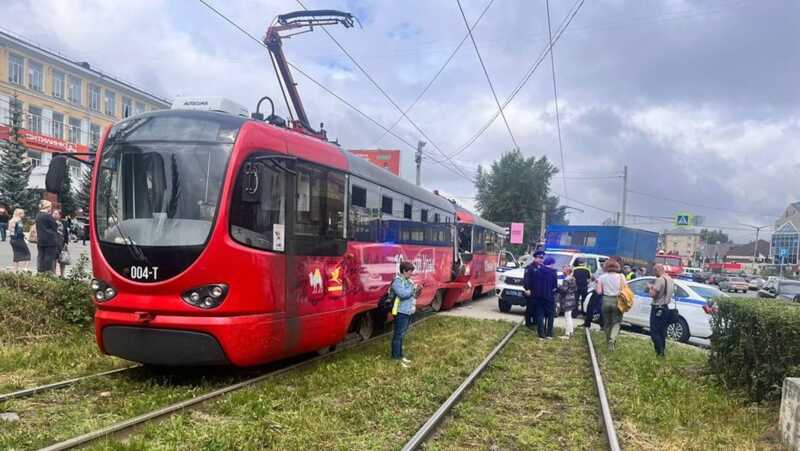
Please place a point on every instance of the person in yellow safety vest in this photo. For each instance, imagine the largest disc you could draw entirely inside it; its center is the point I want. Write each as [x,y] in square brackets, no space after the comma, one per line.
[628,272]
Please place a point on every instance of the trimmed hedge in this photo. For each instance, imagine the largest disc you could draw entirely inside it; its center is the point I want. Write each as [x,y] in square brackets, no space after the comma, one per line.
[35,304]
[755,345]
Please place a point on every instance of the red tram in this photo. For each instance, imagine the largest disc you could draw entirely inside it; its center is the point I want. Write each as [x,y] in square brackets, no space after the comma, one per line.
[219,239]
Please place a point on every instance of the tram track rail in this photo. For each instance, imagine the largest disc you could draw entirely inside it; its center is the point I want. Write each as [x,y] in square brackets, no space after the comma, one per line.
[430,426]
[62,384]
[126,426]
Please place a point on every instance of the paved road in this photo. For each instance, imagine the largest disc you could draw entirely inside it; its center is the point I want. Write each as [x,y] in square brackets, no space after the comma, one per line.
[75,249]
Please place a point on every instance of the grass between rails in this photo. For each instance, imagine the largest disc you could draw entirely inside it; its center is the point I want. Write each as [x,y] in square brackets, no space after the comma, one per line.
[676,404]
[359,399]
[537,394]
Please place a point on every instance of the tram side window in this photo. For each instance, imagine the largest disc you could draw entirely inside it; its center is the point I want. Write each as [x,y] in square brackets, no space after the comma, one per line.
[478,240]
[464,238]
[359,197]
[258,208]
[386,205]
[320,202]
[407,211]
[364,215]
[424,215]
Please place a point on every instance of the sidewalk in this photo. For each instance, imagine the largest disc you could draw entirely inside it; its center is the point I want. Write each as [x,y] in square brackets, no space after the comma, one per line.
[6,255]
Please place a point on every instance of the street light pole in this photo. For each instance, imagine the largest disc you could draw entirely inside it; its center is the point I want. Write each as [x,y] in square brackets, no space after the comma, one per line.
[755,243]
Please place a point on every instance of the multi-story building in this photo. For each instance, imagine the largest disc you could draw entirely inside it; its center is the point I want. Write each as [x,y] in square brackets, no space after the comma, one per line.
[683,242]
[65,104]
[785,244]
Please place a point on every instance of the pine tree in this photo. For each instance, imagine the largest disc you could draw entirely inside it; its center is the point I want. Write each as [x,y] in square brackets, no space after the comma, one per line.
[66,196]
[83,194]
[15,169]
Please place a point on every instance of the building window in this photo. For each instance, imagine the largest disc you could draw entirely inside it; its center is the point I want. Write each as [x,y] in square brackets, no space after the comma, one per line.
[35,158]
[407,211]
[34,119]
[127,107]
[386,205]
[138,108]
[111,103]
[16,66]
[94,97]
[75,171]
[74,131]
[74,90]
[94,136]
[58,84]
[58,126]
[35,76]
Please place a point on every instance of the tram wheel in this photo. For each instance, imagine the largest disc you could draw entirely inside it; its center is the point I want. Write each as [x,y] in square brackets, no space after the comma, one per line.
[365,326]
[436,304]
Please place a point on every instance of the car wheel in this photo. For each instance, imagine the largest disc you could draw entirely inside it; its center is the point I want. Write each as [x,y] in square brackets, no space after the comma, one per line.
[365,326]
[504,306]
[436,304]
[678,330]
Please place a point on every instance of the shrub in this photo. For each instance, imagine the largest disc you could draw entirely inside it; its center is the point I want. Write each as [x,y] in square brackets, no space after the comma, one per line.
[65,300]
[755,345]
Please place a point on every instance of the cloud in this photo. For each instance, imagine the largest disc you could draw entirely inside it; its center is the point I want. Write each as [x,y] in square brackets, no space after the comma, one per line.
[698,99]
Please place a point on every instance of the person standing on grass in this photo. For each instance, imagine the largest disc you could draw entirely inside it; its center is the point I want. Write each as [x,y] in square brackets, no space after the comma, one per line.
[16,233]
[661,292]
[63,245]
[582,275]
[406,291]
[528,284]
[46,238]
[609,285]
[4,218]
[567,299]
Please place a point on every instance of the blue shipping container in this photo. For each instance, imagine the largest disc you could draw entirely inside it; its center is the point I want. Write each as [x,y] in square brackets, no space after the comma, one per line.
[635,246]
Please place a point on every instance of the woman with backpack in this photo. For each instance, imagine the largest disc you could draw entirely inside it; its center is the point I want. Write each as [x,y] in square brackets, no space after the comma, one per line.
[404,305]
[610,285]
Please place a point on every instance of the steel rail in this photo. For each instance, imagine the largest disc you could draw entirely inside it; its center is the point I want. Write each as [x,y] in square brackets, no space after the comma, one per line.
[422,434]
[32,391]
[89,437]
[608,421]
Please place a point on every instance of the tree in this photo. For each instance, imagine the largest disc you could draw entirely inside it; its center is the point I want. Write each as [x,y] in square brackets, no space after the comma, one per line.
[84,192]
[713,236]
[15,169]
[517,189]
[66,197]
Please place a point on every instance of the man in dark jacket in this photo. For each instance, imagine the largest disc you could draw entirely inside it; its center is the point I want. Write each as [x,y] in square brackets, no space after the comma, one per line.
[4,217]
[541,283]
[583,275]
[46,238]
[528,284]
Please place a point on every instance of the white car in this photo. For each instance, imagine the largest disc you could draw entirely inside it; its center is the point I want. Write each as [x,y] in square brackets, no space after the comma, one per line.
[691,300]
[509,288]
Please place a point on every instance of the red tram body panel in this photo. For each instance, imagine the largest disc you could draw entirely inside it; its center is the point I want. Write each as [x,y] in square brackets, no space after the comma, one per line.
[221,240]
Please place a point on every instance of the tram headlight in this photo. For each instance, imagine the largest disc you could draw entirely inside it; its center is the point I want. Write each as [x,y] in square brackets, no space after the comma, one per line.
[206,296]
[102,291]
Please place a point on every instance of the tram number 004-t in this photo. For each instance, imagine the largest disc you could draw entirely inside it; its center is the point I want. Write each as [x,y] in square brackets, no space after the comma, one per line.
[144,272]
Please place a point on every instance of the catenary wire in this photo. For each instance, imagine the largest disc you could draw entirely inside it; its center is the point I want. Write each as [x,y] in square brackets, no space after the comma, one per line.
[567,20]
[385,94]
[323,87]
[441,69]
[486,73]
[555,96]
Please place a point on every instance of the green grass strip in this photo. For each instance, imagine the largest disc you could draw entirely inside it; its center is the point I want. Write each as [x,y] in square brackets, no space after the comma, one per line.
[359,399]
[537,394]
[676,404]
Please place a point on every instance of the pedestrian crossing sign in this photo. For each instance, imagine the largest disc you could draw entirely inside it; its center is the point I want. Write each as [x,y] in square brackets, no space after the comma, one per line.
[683,219]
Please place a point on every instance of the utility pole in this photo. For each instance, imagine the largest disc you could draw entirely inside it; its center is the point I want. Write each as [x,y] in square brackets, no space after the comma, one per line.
[542,227]
[624,194]
[418,160]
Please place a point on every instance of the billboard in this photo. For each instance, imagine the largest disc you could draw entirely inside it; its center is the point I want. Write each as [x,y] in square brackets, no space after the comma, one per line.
[388,159]
[517,232]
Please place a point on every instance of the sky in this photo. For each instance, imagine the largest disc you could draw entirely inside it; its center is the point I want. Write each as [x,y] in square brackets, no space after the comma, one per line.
[699,99]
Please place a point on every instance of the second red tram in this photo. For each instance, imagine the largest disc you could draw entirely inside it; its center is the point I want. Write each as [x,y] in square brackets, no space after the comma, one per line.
[224,240]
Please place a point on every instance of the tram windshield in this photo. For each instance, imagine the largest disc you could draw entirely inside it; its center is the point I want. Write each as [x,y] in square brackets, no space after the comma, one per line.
[159,182]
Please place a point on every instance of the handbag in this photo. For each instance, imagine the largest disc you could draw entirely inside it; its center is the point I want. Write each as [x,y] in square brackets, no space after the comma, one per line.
[625,299]
[64,257]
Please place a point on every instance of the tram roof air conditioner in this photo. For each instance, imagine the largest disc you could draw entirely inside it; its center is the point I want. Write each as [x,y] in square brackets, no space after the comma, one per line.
[209,103]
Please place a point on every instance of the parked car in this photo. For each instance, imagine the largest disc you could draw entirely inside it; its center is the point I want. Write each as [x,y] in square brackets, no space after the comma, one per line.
[714,279]
[689,272]
[756,283]
[734,284]
[701,277]
[782,289]
[694,302]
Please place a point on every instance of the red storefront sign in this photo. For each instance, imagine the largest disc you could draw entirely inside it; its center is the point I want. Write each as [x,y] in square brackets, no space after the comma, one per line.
[387,159]
[44,143]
